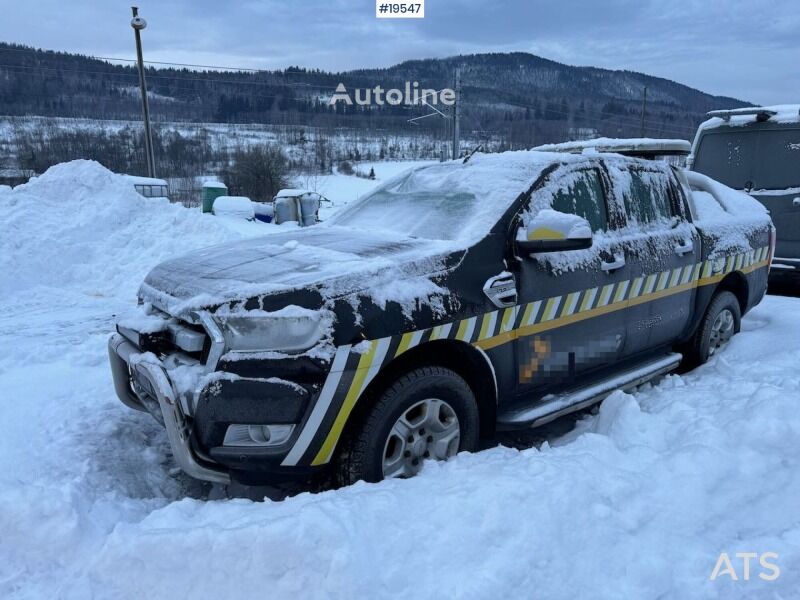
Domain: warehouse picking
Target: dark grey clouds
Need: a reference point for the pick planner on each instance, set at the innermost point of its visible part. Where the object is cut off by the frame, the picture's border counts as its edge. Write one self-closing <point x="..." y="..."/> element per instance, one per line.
<point x="746" y="49"/>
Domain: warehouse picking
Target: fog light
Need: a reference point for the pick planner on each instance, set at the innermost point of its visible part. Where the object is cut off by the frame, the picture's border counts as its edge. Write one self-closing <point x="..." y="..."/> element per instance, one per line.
<point x="257" y="435"/>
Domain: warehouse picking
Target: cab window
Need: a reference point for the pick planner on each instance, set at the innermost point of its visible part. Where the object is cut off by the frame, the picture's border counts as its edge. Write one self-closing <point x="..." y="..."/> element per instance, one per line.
<point x="582" y="194"/>
<point x="647" y="200"/>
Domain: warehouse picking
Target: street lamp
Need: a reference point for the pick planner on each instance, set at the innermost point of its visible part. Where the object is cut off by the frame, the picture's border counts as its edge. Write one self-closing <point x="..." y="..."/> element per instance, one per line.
<point x="138" y="23"/>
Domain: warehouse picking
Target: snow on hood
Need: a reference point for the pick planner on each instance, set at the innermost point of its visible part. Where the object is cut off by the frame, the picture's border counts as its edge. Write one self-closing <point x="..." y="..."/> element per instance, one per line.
<point x="336" y="260"/>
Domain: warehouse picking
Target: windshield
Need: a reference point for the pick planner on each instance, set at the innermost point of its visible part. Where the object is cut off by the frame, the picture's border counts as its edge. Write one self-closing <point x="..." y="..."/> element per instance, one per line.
<point x="407" y="209"/>
<point x="749" y="158"/>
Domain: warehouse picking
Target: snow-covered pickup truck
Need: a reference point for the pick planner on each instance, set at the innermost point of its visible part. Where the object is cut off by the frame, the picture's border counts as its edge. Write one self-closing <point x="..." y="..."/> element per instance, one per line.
<point x="454" y="300"/>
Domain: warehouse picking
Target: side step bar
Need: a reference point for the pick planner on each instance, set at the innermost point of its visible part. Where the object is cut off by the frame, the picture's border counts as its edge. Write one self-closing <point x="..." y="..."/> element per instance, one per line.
<point x="554" y="406"/>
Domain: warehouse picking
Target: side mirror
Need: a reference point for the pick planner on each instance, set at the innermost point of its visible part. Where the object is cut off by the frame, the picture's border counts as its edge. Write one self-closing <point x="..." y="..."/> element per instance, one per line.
<point x="554" y="231"/>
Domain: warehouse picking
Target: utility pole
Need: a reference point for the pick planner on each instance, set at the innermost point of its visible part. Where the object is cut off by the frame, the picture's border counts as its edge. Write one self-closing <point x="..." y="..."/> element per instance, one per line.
<point x="138" y="23"/>
<point x="644" y="111"/>
<point x="456" y="113"/>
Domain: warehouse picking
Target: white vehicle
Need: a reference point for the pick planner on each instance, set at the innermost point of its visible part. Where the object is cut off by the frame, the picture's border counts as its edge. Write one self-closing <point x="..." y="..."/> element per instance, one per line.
<point x="238" y="207"/>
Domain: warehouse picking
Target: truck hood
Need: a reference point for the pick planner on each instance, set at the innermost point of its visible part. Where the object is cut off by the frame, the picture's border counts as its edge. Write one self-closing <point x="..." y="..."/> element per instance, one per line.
<point x="334" y="260"/>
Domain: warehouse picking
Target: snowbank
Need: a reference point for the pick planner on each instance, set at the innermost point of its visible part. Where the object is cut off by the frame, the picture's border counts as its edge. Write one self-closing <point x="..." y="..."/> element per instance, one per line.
<point x="81" y="226"/>
<point x="637" y="502"/>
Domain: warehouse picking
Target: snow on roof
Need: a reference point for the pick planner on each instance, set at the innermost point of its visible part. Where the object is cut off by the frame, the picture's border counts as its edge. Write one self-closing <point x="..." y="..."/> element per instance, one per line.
<point x="621" y="146"/>
<point x="214" y="184"/>
<point x="778" y="113"/>
<point x="292" y="193"/>
<point x="137" y="180"/>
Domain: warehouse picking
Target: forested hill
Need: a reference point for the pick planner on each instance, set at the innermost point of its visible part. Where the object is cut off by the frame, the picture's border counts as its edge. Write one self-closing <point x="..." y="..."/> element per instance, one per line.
<point x="519" y="97"/>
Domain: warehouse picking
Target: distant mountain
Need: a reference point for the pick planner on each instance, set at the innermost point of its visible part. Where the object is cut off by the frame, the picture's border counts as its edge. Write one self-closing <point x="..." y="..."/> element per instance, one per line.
<point x="518" y="98"/>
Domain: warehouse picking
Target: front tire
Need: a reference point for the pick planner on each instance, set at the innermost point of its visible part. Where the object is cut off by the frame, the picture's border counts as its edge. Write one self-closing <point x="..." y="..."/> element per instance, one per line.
<point x="722" y="320"/>
<point x="427" y="413"/>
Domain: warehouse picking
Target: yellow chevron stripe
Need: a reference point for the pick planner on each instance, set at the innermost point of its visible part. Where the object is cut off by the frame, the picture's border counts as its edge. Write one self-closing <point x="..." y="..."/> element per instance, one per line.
<point x="526" y="314"/>
<point x="486" y="325"/>
<point x="405" y="343"/>
<point x="605" y="294"/>
<point x="524" y="331"/>
<point x="462" y="330"/>
<point x="550" y="308"/>
<point x="621" y="289"/>
<point x="570" y="304"/>
<point x="509" y="316"/>
<point x="364" y="363"/>
<point x="675" y="278"/>
<point x="588" y="299"/>
<point x="637" y="286"/>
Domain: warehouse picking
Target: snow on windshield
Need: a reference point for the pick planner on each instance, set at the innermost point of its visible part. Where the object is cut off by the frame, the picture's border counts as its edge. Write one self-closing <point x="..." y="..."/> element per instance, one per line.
<point x="450" y="201"/>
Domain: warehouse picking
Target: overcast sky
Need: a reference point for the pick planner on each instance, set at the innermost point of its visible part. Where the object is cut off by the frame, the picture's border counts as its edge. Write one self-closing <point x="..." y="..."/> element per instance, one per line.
<point x="746" y="49"/>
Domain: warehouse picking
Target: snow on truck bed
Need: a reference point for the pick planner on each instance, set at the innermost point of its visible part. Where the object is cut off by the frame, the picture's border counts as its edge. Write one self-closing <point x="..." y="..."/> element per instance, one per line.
<point x="637" y="502"/>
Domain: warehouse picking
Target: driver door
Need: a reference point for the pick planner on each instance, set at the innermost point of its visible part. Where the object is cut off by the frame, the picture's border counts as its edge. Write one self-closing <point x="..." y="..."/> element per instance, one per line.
<point x="570" y="301"/>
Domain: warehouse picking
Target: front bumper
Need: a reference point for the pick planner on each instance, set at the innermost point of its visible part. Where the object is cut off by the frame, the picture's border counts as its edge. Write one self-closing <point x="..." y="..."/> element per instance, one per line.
<point x="128" y="365"/>
<point x="196" y="427"/>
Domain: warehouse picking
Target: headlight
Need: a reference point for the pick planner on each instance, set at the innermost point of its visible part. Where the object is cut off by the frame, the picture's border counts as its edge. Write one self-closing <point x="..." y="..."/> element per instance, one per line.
<point x="292" y="329"/>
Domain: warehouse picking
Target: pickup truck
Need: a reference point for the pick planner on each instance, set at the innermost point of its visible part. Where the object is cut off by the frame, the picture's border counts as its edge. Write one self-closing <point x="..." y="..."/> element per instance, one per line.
<point x="454" y="300"/>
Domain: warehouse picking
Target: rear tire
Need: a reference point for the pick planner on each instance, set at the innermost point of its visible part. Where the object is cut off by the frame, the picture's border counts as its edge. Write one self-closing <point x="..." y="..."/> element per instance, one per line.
<point x="427" y="413"/>
<point x="722" y="320"/>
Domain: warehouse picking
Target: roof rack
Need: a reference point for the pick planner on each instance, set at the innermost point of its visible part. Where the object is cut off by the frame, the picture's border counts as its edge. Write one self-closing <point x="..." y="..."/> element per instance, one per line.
<point x="636" y="147"/>
<point x="761" y="114"/>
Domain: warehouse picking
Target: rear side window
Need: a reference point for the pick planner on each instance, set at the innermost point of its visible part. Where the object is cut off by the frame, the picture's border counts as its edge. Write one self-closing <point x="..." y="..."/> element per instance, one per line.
<point x="582" y="194"/>
<point x="647" y="200"/>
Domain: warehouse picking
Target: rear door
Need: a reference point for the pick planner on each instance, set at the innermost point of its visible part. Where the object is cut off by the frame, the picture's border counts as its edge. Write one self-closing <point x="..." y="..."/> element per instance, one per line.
<point x="662" y="249"/>
<point x="776" y="184"/>
<point x="566" y="323"/>
<point x="763" y="159"/>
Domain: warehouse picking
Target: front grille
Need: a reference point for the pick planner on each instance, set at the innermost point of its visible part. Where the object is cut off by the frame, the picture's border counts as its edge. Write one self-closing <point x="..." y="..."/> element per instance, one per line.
<point x="177" y="336"/>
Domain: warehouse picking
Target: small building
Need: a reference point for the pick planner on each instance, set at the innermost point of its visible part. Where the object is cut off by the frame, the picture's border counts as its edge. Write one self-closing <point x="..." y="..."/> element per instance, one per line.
<point x="149" y="187"/>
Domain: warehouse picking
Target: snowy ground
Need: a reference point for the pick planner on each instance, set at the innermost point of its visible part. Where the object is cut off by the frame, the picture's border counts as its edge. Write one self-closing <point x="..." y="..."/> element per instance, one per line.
<point x="638" y="501"/>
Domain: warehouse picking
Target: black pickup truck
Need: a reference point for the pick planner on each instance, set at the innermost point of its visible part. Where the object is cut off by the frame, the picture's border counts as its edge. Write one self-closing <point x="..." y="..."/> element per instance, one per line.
<point x="455" y="300"/>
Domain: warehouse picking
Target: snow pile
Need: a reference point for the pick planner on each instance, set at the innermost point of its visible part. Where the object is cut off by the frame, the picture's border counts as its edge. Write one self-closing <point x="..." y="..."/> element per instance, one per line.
<point x="83" y="227"/>
<point x="637" y="502"/>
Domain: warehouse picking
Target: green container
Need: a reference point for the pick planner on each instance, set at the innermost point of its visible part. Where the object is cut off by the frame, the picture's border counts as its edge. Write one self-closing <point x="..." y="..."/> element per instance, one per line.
<point x="211" y="191"/>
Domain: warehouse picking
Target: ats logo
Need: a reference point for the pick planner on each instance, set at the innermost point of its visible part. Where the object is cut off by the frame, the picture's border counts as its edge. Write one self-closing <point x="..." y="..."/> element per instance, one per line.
<point x="767" y="566"/>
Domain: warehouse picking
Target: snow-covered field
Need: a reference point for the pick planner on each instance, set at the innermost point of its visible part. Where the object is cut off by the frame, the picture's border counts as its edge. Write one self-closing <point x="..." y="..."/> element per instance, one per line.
<point x="638" y="501"/>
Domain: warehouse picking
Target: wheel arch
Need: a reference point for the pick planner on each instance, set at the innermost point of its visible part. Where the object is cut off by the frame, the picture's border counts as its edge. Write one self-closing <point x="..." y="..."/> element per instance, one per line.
<point x="469" y="362"/>
<point x="736" y="283"/>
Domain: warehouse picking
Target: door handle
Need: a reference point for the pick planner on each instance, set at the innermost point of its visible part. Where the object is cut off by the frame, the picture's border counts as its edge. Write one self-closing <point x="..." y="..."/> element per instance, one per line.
<point x="796" y="201"/>
<point x="684" y="248"/>
<point x="617" y="263"/>
<point x="501" y="290"/>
